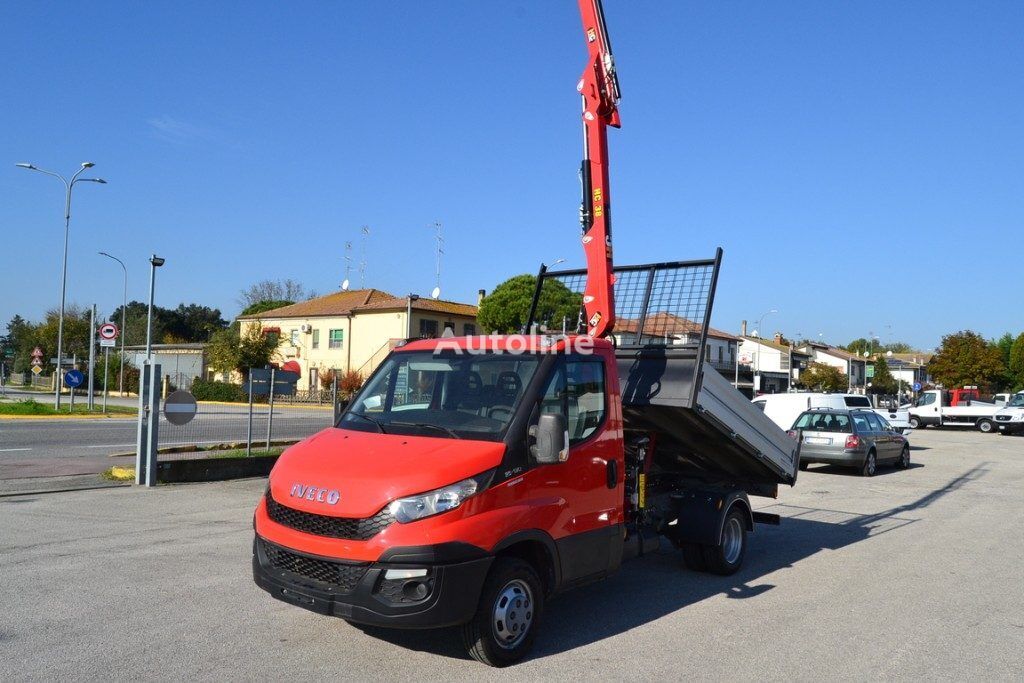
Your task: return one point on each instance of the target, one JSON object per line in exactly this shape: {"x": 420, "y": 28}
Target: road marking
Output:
{"x": 11, "y": 450}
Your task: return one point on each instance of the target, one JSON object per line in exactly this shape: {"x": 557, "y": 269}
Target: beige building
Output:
{"x": 355, "y": 329}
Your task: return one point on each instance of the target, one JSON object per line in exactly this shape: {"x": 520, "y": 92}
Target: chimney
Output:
{"x": 743, "y": 328}
{"x": 778, "y": 338}
{"x": 480, "y": 296}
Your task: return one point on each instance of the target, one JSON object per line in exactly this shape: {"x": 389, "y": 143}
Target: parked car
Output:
{"x": 851, "y": 438}
{"x": 1010, "y": 420}
{"x": 783, "y": 409}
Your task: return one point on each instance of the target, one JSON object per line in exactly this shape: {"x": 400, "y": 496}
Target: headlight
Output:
{"x": 434, "y": 502}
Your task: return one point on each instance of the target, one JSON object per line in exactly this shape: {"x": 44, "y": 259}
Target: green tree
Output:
{"x": 823, "y": 377}
{"x": 506, "y": 308}
{"x": 231, "y": 350}
{"x": 883, "y": 382}
{"x": 965, "y": 358}
{"x": 1016, "y": 363}
{"x": 860, "y": 345}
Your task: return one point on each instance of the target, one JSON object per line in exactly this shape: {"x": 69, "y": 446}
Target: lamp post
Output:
{"x": 154, "y": 262}
{"x": 408, "y": 315}
{"x": 757, "y": 352}
{"x": 124, "y": 318}
{"x": 68, "y": 185}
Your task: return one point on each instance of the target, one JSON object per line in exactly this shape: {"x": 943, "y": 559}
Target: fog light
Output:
{"x": 415, "y": 590}
{"x": 393, "y": 574}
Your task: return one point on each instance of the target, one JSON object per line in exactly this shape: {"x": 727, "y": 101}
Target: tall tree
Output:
{"x": 965, "y": 358}
{"x": 264, "y": 306}
{"x": 506, "y": 308}
{"x": 883, "y": 382}
{"x": 824, "y": 377}
{"x": 1016, "y": 363}
{"x": 274, "y": 290}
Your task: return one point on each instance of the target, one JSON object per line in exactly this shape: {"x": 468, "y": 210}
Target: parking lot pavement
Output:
{"x": 910, "y": 574}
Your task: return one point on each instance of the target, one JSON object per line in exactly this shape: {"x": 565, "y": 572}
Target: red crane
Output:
{"x": 599, "y": 87}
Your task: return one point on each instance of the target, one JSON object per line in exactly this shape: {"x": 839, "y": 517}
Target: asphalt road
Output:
{"x": 61, "y": 447}
{"x": 911, "y": 574}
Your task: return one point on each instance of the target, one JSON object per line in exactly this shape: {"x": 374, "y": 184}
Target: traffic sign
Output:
{"x": 108, "y": 331}
{"x": 36, "y": 361}
{"x": 73, "y": 378}
{"x": 917, "y": 386}
{"x": 37, "y": 352}
{"x": 36, "y": 369}
{"x": 180, "y": 407}
{"x": 67, "y": 361}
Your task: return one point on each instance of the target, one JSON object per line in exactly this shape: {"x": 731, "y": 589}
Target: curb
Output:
{"x": 265, "y": 405}
{"x": 211, "y": 448}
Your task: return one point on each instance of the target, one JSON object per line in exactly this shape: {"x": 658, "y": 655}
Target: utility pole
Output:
{"x": 92, "y": 355}
{"x": 365, "y": 230}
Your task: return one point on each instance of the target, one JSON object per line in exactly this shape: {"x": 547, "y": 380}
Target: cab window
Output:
{"x": 577, "y": 390}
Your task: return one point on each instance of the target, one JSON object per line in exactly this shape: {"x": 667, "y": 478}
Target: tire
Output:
{"x": 726, "y": 558}
{"x": 804, "y": 465}
{"x": 904, "y": 461}
{"x": 512, "y": 596}
{"x": 985, "y": 426}
{"x": 693, "y": 557}
{"x": 915, "y": 423}
{"x": 870, "y": 465}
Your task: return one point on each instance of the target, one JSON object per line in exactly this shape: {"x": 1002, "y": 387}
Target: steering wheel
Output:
{"x": 499, "y": 409}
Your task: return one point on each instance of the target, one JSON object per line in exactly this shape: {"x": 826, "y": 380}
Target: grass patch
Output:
{"x": 118, "y": 473}
{"x": 30, "y": 407}
{"x": 256, "y": 452}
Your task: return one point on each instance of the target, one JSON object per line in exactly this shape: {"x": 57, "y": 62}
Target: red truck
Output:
{"x": 472, "y": 479}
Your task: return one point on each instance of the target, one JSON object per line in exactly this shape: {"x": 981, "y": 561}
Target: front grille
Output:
{"x": 343, "y": 577}
{"x": 1003, "y": 418}
{"x": 324, "y": 525}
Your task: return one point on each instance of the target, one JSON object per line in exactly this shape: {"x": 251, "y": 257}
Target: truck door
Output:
{"x": 587, "y": 535}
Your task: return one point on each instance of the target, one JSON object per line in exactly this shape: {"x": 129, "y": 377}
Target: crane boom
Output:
{"x": 599, "y": 87}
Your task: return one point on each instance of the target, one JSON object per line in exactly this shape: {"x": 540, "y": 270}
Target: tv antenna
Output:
{"x": 365, "y": 230}
{"x": 439, "y": 248}
{"x": 348, "y": 266}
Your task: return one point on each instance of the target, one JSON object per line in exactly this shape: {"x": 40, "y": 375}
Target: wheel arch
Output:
{"x": 537, "y": 548}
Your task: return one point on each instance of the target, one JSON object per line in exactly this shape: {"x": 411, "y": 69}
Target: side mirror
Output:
{"x": 551, "y": 436}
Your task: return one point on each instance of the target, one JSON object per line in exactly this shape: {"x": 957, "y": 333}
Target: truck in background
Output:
{"x": 953, "y": 408}
{"x": 784, "y": 409}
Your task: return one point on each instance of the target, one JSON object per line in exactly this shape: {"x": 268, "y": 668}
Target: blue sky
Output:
{"x": 860, "y": 163}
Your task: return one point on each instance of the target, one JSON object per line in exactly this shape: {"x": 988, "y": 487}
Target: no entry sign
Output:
{"x": 108, "y": 334}
{"x": 180, "y": 407}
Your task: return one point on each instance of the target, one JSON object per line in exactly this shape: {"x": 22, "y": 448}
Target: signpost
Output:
{"x": 180, "y": 407}
{"x": 108, "y": 333}
{"x": 73, "y": 378}
{"x": 917, "y": 386}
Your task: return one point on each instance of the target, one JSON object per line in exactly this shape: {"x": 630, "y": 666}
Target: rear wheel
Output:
{"x": 985, "y": 426}
{"x": 915, "y": 423}
{"x": 727, "y": 557}
{"x": 870, "y": 465}
{"x": 904, "y": 461}
{"x": 502, "y": 630}
{"x": 693, "y": 556}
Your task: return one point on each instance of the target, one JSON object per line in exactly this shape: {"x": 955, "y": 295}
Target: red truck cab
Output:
{"x": 396, "y": 516}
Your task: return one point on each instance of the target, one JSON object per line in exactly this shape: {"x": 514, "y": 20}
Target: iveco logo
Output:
{"x": 329, "y": 496}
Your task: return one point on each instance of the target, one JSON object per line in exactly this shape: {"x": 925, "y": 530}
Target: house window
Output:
{"x": 469, "y": 329}
{"x": 721, "y": 354}
{"x": 428, "y": 328}
{"x": 316, "y": 339}
{"x": 335, "y": 339}
{"x": 294, "y": 334}
{"x": 450, "y": 326}
{"x": 707, "y": 353}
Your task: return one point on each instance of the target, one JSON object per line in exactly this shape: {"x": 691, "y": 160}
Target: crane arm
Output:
{"x": 599, "y": 87}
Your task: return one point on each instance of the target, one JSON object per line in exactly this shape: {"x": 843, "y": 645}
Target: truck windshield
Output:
{"x": 457, "y": 396}
{"x": 1017, "y": 401}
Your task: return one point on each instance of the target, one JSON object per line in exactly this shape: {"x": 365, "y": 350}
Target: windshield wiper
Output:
{"x": 447, "y": 430}
{"x": 374, "y": 420}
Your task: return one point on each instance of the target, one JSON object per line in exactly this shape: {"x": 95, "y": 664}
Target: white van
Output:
{"x": 784, "y": 409}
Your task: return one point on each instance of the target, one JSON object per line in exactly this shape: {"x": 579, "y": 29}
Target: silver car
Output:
{"x": 852, "y": 438}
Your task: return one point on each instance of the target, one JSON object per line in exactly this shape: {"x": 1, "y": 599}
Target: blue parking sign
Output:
{"x": 917, "y": 386}
{"x": 73, "y": 378}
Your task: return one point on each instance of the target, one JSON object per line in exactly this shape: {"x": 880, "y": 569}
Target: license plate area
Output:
{"x": 818, "y": 440}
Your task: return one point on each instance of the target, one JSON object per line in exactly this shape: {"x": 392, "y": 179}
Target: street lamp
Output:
{"x": 757, "y": 353}
{"x": 408, "y": 315}
{"x": 68, "y": 184}
{"x": 154, "y": 262}
{"x": 124, "y": 314}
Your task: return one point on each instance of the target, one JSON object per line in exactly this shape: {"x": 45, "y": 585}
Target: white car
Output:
{"x": 784, "y": 409}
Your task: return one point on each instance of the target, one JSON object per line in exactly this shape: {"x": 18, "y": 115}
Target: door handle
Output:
{"x": 612, "y": 470}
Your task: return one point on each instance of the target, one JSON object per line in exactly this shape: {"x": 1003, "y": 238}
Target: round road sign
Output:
{"x": 73, "y": 378}
{"x": 108, "y": 331}
{"x": 917, "y": 386}
{"x": 180, "y": 407}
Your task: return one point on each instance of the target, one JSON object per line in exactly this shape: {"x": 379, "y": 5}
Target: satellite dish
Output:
{"x": 344, "y": 285}
{"x": 435, "y": 293}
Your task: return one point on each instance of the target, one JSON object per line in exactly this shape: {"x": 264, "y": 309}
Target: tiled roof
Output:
{"x": 839, "y": 353}
{"x": 668, "y": 324}
{"x": 770, "y": 343}
{"x": 361, "y": 300}
{"x": 421, "y": 304}
{"x": 338, "y": 303}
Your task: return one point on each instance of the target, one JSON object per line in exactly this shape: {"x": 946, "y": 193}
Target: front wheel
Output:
{"x": 502, "y": 630}
{"x": 985, "y": 426}
{"x": 915, "y": 423}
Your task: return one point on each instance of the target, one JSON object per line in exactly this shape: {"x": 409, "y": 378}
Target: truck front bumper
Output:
{"x": 1010, "y": 427}
{"x": 423, "y": 587}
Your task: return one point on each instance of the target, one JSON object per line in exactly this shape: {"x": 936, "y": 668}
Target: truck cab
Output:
{"x": 953, "y": 408}
{"x": 1010, "y": 418}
